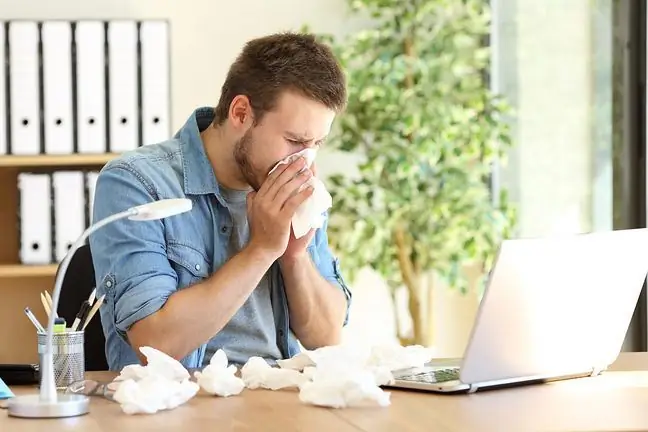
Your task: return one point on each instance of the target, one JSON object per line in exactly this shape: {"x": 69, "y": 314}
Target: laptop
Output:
{"x": 554, "y": 308}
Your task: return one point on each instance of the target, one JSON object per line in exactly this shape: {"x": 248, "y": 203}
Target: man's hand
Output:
{"x": 297, "y": 246}
{"x": 271, "y": 209}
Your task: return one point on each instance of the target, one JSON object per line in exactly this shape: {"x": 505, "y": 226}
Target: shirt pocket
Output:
{"x": 190, "y": 264}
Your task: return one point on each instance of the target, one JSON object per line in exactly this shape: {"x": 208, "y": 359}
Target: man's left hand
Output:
{"x": 297, "y": 246}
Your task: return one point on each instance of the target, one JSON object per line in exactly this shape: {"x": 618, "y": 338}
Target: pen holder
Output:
{"x": 68, "y": 356}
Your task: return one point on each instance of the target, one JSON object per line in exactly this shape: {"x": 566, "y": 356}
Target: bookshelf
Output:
{"x": 21, "y": 285}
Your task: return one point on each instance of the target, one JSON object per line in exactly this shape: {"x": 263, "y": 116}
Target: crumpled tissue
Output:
{"x": 162, "y": 384}
{"x": 309, "y": 214}
{"x": 350, "y": 376}
{"x": 257, "y": 373}
{"x": 342, "y": 388}
{"x": 218, "y": 378}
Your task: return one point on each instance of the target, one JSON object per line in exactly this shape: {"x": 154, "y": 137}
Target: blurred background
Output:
{"x": 526, "y": 118}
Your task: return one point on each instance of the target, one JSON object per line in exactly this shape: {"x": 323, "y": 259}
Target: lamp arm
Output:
{"x": 48, "y": 386}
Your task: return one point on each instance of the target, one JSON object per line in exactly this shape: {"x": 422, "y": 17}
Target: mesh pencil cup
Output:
{"x": 68, "y": 356}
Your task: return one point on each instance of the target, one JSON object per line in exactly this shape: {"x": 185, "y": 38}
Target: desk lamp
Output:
{"x": 49, "y": 404}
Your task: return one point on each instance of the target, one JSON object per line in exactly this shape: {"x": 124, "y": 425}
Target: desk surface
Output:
{"x": 614, "y": 401}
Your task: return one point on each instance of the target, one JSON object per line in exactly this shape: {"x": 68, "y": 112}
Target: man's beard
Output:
{"x": 242, "y": 157}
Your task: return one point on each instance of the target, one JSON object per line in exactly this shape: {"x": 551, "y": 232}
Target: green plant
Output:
{"x": 428, "y": 129}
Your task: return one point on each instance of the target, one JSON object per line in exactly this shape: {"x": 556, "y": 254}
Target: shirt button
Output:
{"x": 109, "y": 284}
{"x": 223, "y": 229}
{"x": 197, "y": 266}
{"x": 281, "y": 333}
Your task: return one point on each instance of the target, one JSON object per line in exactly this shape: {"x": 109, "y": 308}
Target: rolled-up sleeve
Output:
{"x": 329, "y": 265}
{"x": 129, "y": 257}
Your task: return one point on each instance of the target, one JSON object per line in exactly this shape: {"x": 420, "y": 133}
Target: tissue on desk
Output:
{"x": 162, "y": 384}
{"x": 257, "y": 373}
{"x": 342, "y": 389}
{"x": 350, "y": 376}
{"x": 390, "y": 357}
{"x": 153, "y": 393}
{"x": 309, "y": 215}
{"x": 218, "y": 378}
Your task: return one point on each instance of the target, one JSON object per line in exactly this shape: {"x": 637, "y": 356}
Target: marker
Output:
{"x": 60, "y": 325}
{"x": 34, "y": 321}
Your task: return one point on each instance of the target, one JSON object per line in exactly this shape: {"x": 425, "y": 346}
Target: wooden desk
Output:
{"x": 615, "y": 401}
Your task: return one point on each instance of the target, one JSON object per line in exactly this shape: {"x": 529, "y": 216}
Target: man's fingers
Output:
{"x": 286, "y": 176}
{"x": 295, "y": 201}
{"x": 291, "y": 188}
{"x": 280, "y": 176}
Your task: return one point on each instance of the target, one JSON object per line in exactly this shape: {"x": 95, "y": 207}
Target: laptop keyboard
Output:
{"x": 433, "y": 376}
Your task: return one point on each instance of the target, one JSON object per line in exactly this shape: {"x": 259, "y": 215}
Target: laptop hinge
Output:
{"x": 473, "y": 388}
{"x": 596, "y": 371}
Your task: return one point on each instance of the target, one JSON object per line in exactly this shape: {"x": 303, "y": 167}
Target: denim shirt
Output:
{"x": 138, "y": 265}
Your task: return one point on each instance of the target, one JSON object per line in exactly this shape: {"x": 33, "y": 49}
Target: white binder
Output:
{"x": 91, "y": 86}
{"x": 3, "y": 100}
{"x": 91, "y": 183}
{"x": 123, "y": 88}
{"x": 69, "y": 210}
{"x": 154, "y": 39}
{"x": 24, "y": 87}
{"x": 35, "y": 219}
{"x": 56, "y": 37}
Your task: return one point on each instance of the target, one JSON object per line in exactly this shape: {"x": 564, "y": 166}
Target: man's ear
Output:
{"x": 240, "y": 112}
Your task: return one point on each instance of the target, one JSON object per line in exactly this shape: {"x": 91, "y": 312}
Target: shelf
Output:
{"x": 20, "y": 270}
{"x": 44, "y": 160}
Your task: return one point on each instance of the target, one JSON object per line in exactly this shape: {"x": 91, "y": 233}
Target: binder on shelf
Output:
{"x": 69, "y": 210}
{"x": 154, "y": 40}
{"x": 35, "y": 218}
{"x": 24, "y": 87}
{"x": 3, "y": 89}
{"x": 56, "y": 37}
{"x": 123, "y": 86}
{"x": 91, "y": 183}
{"x": 89, "y": 39}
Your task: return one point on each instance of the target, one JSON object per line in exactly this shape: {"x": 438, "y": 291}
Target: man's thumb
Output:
{"x": 250, "y": 200}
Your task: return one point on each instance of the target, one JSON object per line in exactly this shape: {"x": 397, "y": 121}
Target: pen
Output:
{"x": 81, "y": 315}
{"x": 34, "y": 321}
{"x": 93, "y": 311}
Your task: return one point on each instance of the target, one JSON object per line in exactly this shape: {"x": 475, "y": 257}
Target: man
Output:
{"x": 228, "y": 274}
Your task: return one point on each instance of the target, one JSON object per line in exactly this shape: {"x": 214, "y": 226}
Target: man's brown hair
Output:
{"x": 272, "y": 64}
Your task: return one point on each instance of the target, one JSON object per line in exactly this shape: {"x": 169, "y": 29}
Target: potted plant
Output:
{"x": 428, "y": 129}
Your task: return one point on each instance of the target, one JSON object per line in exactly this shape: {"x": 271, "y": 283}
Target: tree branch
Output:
{"x": 411, "y": 281}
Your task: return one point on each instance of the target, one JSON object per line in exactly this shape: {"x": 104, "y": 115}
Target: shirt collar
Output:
{"x": 199, "y": 177}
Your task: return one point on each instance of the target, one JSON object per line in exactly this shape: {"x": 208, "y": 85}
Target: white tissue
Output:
{"x": 153, "y": 393}
{"x": 309, "y": 215}
{"x": 340, "y": 388}
{"x": 389, "y": 357}
{"x": 218, "y": 378}
{"x": 351, "y": 375}
{"x": 257, "y": 373}
{"x": 162, "y": 384}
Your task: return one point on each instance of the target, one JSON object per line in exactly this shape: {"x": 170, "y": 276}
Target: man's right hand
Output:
{"x": 271, "y": 209}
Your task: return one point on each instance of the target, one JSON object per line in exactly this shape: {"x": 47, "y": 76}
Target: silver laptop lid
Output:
{"x": 557, "y": 306}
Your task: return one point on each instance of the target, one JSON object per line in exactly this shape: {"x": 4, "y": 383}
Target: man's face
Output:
{"x": 295, "y": 124}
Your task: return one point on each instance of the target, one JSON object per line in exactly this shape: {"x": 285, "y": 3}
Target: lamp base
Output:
{"x": 66, "y": 405}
